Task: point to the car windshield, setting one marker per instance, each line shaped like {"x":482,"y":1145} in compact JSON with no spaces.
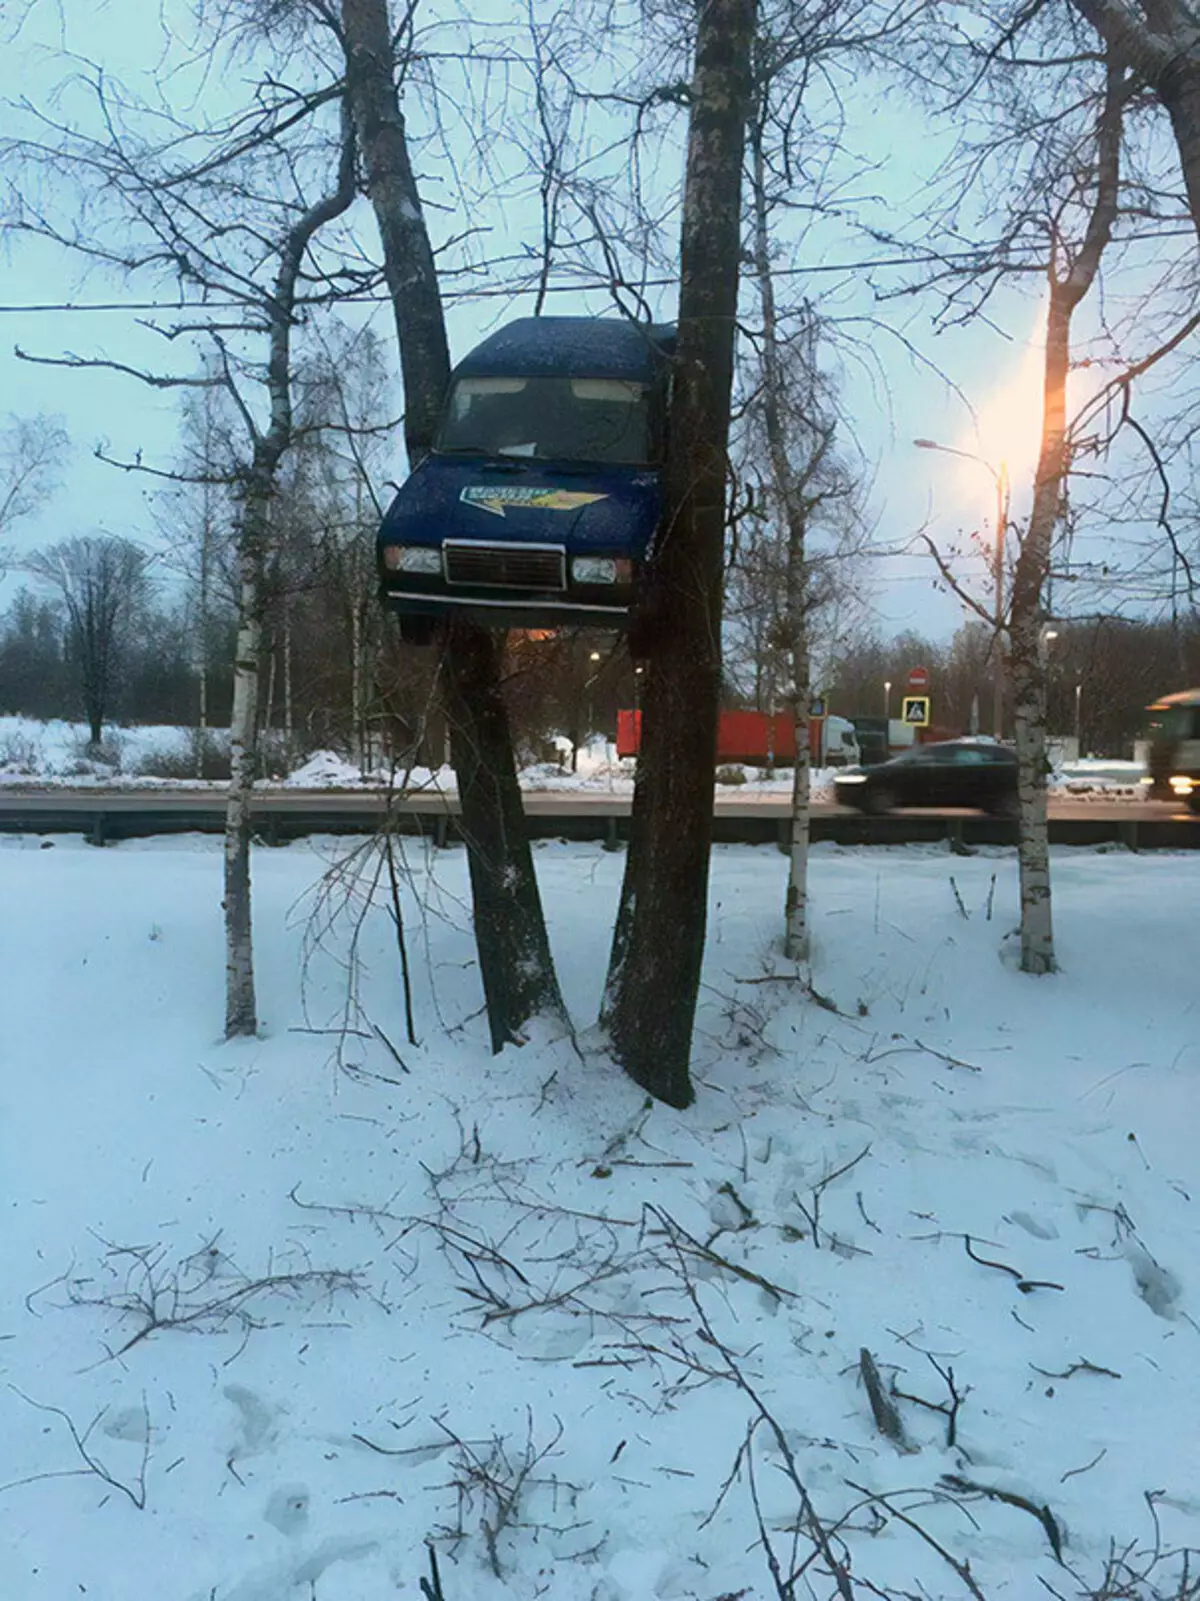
{"x":550,"y":419}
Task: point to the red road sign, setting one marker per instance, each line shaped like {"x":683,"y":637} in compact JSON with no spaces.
{"x":918,"y":680}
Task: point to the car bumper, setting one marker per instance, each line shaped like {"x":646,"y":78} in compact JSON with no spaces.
{"x":579,"y":607}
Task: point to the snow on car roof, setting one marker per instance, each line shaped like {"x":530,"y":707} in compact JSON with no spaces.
{"x":549,"y":347}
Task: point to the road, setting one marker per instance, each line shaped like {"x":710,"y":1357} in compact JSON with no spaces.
{"x":112,"y":813}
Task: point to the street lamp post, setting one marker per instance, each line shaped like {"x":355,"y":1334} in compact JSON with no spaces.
{"x":1078,"y":720}
{"x":590,"y":714}
{"x":1049,"y":635}
{"x":887,"y":699}
{"x":1003,"y":493}
{"x":1002,"y":500}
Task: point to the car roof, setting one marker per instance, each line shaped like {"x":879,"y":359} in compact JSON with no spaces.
{"x":968,"y":742}
{"x":565,"y":347}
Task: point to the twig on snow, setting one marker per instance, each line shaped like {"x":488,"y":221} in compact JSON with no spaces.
{"x":92,"y":1464}
{"x":1023,"y":1284}
{"x":812,"y":1212}
{"x":963,"y":1569}
{"x":431,"y":1588}
{"x":952,"y":1481}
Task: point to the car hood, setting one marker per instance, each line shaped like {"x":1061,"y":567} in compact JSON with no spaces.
{"x":613,"y":510}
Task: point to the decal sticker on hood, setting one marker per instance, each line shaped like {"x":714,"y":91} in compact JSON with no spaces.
{"x":494,"y":497}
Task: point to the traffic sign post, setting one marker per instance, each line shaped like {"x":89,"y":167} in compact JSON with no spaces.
{"x":915,"y":711}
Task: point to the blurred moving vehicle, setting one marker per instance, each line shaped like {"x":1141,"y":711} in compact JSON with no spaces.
{"x":1173,"y":760}
{"x":952,"y":772}
{"x":536,"y":505}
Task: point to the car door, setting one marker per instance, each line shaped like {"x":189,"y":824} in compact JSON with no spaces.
{"x":966,"y":780}
{"x":999,"y":777}
{"x":913,"y":777}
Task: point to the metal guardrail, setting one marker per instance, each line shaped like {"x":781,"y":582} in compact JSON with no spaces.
{"x":105,"y":816}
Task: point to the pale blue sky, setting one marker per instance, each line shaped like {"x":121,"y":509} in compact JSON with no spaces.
{"x":889,"y":397}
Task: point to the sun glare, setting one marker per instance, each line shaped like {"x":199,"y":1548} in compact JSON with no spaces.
{"x":998,"y":448}
{"x":1009,"y":420}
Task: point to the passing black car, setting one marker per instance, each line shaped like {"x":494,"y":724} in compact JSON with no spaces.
{"x":952,"y":772}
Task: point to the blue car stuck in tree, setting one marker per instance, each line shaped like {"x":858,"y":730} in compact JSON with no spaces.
{"x":535,"y":507}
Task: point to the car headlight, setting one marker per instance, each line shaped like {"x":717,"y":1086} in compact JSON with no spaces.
{"x":412,"y":558}
{"x":601,"y":570}
{"x":1182,"y":785}
{"x":851,"y":778}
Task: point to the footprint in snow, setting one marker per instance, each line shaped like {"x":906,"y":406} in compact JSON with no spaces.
{"x":1031,"y":1225}
{"x":287,"y":1510}
{"x":1157,"y":1285}
{"x":258,"y":1421}
{"x":130,"y":1423}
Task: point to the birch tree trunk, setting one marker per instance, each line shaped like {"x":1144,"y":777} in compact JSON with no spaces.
{"x":1027,"y":673}
{"x":241,"y":1009}
{"x":796,"y":945}
{"x":258,"y":489}
{"x":1079,"y":266}
{"x":658,"y":944}
{"x":515,"y":960}
{"x":793,"y":504}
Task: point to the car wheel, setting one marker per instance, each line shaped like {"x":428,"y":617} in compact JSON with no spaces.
{"x":417,"y":630}
{"x":1194,"y":801}
{"x":878,"y":802}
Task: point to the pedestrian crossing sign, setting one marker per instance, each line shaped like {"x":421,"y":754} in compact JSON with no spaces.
{"x":916,"y":711}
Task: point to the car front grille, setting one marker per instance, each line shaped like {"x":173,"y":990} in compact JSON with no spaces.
{"x":505,"y":566}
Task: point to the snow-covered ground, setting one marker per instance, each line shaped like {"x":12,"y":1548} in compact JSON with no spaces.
{"x":56,"y":753}
{"x":276,"y":1313}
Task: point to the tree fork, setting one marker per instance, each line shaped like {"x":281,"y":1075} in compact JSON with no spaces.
{"x":658,"y":943}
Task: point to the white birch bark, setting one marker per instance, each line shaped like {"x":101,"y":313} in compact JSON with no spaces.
{"x":241,"y":1016}
{"x":258,"y":487}
{"x":795,"y":920}
{"x":1071,"y":274}
{"x":792,"y":492}
{"x":1029,"y":715}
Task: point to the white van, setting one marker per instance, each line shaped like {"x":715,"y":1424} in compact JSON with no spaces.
{"x":839,"y":743}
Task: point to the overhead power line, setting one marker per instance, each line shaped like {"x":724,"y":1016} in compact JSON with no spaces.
{"x":382,"y":298}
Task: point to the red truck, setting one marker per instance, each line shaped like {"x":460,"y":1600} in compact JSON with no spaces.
{"x":761,"y":740}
